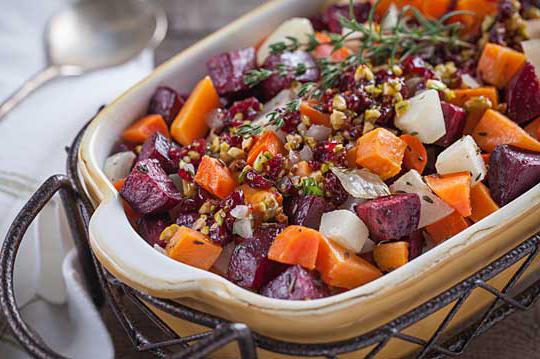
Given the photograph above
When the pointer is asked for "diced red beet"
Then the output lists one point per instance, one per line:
(227, 70)
(296, 283)
(523, 95)
(167, 103)
(255, 180)
(432, 154)
(249, 266)
(150, 228)
(512, 172)
(454, 120)
(334, 189)
(416, 244)
(334, 12)
(307, 210)
(391, 217)
(290, 60)
(157, 147)
(248, 108)
(148, 189)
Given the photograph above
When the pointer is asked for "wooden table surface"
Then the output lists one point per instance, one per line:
(516, 337)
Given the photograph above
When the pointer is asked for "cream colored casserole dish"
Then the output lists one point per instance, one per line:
(120, 249)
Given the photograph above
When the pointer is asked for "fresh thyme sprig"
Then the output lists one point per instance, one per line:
(412, 33)
(275, 118)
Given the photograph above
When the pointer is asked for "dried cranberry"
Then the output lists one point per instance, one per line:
(347, 81)
(187, 219)
(290, 121)
(255, 180)
(275, 166)
(177, 153)
(248, 108)
(358, 101)
(220, 234)
(286, 186)
(383, 75)
(233, 141)
(234, 199)
(415, 65)
(326, 152)
(166, 102)
(318, 22)
(334, 190)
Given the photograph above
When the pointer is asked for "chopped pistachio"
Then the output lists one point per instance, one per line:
(236, 153)
(205, 230)
(372, 115)
(337, 119)
(214, 144)
(339, 103)
(436, 85)
(168, 233)
(363, 72)
(392, 87)
(138, 149)
(325, 167)
(260, 161)
(373, 90)
(206, 207)
(188, 188)
(397, 70)
(310, 141)
(199, 223)
(478, 103)
(293, 142)
(368, 126)
(401, 107)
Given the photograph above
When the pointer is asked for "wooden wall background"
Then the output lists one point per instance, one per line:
(517, 337)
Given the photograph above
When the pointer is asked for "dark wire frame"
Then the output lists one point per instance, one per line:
(105, 288)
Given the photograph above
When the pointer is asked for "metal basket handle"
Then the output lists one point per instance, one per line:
(30, 340)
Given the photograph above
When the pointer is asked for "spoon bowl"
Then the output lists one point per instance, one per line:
(92, 35)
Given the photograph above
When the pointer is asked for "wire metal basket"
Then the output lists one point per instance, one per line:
(105, 288)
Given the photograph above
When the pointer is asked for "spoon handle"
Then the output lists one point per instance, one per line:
(32, 84)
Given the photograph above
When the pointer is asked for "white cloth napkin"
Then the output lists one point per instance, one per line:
(48, 283)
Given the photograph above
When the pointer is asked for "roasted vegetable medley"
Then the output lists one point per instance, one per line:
(340, 147)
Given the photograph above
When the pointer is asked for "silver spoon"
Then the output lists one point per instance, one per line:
(92, 35)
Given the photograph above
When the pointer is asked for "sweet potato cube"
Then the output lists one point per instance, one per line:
(454, 189)
(296, 245)
(464, 95)
(194, 248)
(190, 123)
(341, 268)
(381, 152)
(498, 64)
(267, 142)
(215, 177)
(496, 129)
(447, 227)
(390, 256)
(481, 202)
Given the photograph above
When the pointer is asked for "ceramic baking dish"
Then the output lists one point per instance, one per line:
(127, 256)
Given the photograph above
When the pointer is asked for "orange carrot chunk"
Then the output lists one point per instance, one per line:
(481, 202)
(261, 200)
(447, 227)
(533, 129)
(415, 154)
(474, 13)
(390, 256)
(496, 129)
(498, 64)
(317, 117)
(434, 9)
(267, 142)
(215, 177)
(145, 128)
(381, 152)
(296, 245)
(190, 123)
(326, 49)
(194, 248)
(464, 95)
(454, 189)
(341, 268)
